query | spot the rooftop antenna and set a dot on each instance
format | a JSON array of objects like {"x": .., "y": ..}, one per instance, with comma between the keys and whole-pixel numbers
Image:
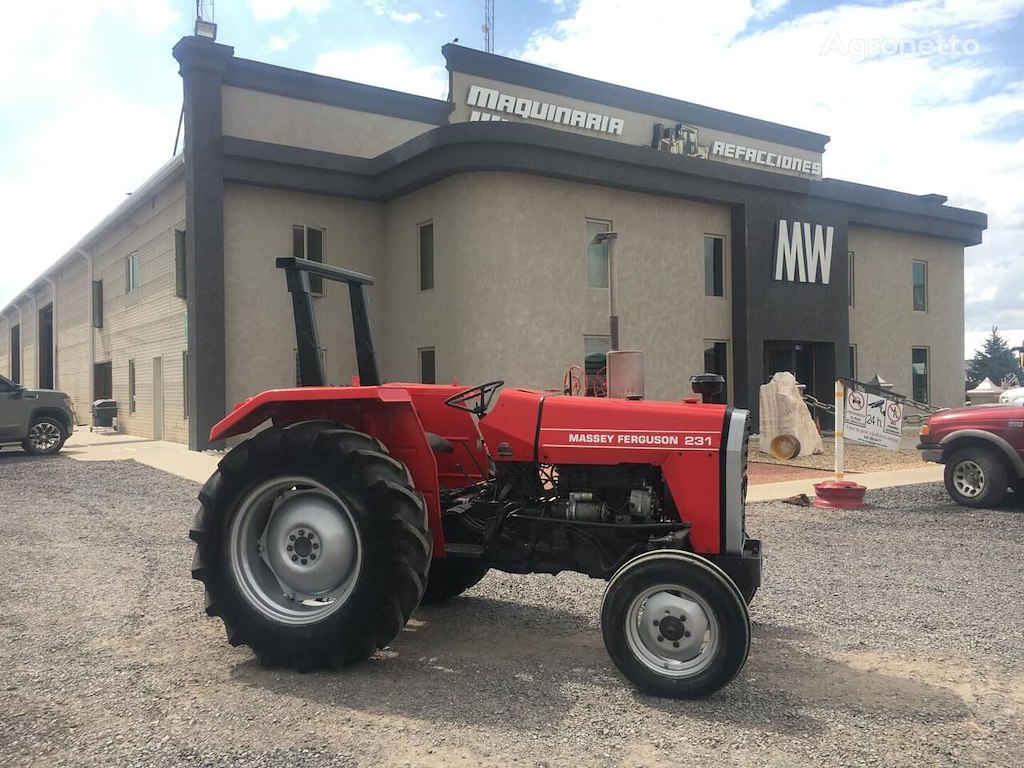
[
  {"x": 488, "y": 26},
  {"x": 204, "y": 20}
]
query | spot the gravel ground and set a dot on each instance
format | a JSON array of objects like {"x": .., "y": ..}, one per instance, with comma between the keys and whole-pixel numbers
[{"x": 886, "y": 636}]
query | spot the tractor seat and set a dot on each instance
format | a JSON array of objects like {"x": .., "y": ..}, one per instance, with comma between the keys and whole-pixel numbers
[{"x": 438, "y": 444}]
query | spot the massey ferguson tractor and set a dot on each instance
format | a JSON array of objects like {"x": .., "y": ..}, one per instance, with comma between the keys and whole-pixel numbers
[{"x": 319, "y": 535}]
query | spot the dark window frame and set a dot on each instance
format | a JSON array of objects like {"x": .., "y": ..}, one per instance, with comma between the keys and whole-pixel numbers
[
  {"x": 916, "y": 394},
  {"x": 920, "y": 290},
  {"x": 596, "y": 276},
  {"x": 15, "y": 347},
  {"x": 180, "y": 274},
  {"x": 132, "y": 387},
  {"x": 851, "y": 273},
  {"x": 714, "y": 266},
  {"x": 421, "y": 355},
  {"x": 425, "y": 256},
  {"x": 97, "y": 303},
  {"x": 131, "y": 272},
  {"x": 719, "y": 359}
]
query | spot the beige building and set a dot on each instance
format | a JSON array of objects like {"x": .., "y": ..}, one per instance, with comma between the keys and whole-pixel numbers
[{"x": 477, "y": 218}]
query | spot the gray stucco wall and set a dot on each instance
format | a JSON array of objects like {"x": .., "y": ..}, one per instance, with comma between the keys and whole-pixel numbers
[
  {"x": 260, "y": 330},
  {"x": 883, "y": 322},
  {"x": 511, "y": 299},
  {"x": 297, "y": 123}
]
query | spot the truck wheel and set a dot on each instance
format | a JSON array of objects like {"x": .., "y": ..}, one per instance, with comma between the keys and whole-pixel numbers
[
  {"x": 45, "y": 437},
  {"x": 675, "y": 624},
  {"x": 975, "y": 477},
  {"x": 450, "y": 577},
  {"x": 312, "y": 545}
]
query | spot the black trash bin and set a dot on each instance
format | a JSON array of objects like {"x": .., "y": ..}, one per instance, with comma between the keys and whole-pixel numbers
[
  {"x": 709, "y": 386},
  {"x": 103, "y": 413}
]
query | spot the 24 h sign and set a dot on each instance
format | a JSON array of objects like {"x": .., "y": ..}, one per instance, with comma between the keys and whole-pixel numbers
[{"x": 872, "y": 419}]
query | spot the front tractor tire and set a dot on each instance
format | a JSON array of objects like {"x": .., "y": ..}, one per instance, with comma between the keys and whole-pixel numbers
[
  {"x": 675, "y": 624},
  {"x": 976, "y": 477},
  {"x": 312, "y": 545}
]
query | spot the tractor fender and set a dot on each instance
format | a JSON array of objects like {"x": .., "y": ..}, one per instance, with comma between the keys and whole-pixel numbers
[
  {"x": 386, "y": 413},
  {"x": 683, "y": 556}
]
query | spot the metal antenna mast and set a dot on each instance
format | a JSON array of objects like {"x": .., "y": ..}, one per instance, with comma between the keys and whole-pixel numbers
[
  {"x": 204, "y": 10},
  {"x": 488, "y": 26}
]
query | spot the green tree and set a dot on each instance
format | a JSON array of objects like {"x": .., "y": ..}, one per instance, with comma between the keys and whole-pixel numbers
[{"x": 994, "y": 361}]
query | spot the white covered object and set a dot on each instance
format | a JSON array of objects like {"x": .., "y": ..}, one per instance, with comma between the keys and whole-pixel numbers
[{"x": 783, "y": 412}]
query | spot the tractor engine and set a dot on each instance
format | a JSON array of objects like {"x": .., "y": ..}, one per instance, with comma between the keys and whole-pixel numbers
[
  {"x": 546, "y": 519},
  {"x": 597, "y": 495}
]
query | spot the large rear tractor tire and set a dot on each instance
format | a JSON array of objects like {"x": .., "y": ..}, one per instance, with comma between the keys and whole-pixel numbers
[
  {"x": 675, "y": 624},
  {"x": 450, "y": 577},
  {"x": 312, "y": 545}
]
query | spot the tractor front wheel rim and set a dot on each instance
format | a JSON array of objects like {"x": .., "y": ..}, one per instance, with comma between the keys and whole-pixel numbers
[{"x": 672, "y": 631}]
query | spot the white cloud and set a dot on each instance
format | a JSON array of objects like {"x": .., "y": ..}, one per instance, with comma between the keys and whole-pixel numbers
[
  {"x": 72, "y": 140},
  {"x": 268, "y": 10},
  {"x": 916, "y": 123},
  {"x": 279, "y": 43},
  {"x": 385, "y": 8},
  {"x": 386, "y": 66}
]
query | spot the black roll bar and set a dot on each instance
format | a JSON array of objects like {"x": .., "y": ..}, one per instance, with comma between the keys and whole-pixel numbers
[{"x": 311, "y": 367}]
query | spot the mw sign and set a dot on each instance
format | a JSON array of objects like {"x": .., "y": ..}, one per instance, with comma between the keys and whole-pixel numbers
[{"x": 803, "y": 252}]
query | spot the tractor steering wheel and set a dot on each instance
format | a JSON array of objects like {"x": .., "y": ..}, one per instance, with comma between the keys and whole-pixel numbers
[{"x": 480, "y": 397}]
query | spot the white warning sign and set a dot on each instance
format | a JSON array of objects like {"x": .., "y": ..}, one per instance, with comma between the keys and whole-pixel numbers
[{"x": 872, "y": 419}]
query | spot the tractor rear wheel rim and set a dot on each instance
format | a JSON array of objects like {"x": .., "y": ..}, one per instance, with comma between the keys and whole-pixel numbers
[
  {"x": 294, "y": 550},
  {"x": 969, "y": 478},
  {"x": 43, "y": 436},
  {"x": 672, "y": 630}
]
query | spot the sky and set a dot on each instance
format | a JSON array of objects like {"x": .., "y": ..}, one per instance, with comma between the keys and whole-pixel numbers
[{"x": 925, "y": 96}]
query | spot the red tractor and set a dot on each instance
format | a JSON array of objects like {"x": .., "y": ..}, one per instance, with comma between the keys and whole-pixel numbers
[{"x": 318, "y": 536}]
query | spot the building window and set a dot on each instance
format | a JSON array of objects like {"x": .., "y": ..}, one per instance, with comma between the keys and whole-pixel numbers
[
  {"x": 428, "y": 363},
  {"x": 714, "y": 265},
  {"x": 131, "y": 386},
  {"x": 179, "y": 264},
  {"x": 850, "y": 294},
  {"x": 97, "y": 303},
  {"x": 716, "y": 360},
  {"x": 308, "y": 243},
  {"x": 920, "y": 286},
  {"x": 184, "y": 384},
  {"x": 919, "y": 373},
  {"x": 597, "y": 254},
  {"x": 426, "y": 232},
  {"x": 595, "y": 364},
  {"x": 16, "y": 354},
  {"x": 853, "y": 361},
  {"x": 131, "y": 272}
]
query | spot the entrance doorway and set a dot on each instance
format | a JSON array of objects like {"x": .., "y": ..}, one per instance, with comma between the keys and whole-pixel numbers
[{"x": 812, "y": 362}]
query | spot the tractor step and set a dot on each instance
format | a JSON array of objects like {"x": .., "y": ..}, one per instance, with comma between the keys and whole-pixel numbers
[{"x": 464, "y": 550}]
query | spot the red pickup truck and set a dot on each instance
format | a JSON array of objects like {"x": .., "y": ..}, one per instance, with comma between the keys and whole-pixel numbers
[{"x": 983, "y": 449}]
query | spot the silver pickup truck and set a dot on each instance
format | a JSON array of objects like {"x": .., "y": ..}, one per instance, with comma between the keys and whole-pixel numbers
[{"x": 39, "y": 419}]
